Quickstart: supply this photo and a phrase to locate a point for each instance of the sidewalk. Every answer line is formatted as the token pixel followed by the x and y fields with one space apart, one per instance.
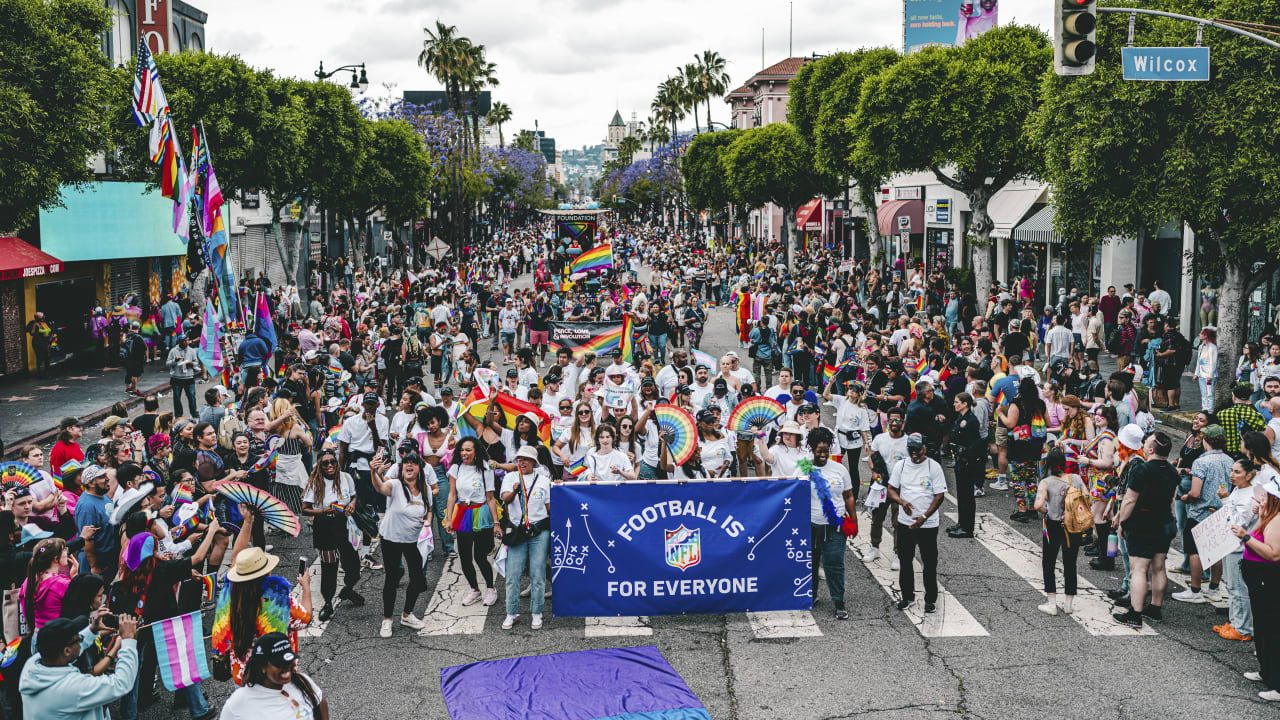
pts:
pixel 1189 403
pixel 34 406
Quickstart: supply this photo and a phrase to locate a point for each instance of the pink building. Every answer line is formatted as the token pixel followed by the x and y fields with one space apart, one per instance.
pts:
pixel 760 101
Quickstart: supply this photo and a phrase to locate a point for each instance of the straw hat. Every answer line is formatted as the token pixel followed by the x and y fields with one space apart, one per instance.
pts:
pixel 252 564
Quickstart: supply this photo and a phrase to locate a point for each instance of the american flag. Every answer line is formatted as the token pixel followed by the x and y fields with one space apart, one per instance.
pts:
pixel 148 97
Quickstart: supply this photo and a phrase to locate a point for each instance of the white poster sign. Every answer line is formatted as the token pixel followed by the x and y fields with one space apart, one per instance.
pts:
pixel 1214 539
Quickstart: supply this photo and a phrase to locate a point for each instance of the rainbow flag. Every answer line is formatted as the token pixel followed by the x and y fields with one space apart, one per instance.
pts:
pixel 512 408
pixel 267 462
pixel 182 493
pixel 335 367
pixel 332 435
pixel 578 467
pixel 919 302
pixel 210 583
pixel 596 259
pixel 1000 398
pixel 184 529
pixel 921 367
pixel 262 325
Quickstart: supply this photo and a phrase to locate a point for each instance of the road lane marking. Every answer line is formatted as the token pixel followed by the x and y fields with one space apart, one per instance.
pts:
pixel 783 624
pixel 1093 608
pixel 951 618
pixel 617 627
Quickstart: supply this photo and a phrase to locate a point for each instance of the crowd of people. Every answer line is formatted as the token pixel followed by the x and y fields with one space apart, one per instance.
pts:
pixel 373 419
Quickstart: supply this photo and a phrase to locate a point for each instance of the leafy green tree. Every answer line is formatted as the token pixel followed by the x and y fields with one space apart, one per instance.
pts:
pixel 281 152
pixel 774 164
pixel 333 157
pixel 823 100
pixel 705 180
pixel 54 84
pixel 1126 157
pixel 963 114
pixel 398 173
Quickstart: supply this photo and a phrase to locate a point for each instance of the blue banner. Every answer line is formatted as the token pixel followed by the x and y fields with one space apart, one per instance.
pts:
pixel 945 23
pixel 673 549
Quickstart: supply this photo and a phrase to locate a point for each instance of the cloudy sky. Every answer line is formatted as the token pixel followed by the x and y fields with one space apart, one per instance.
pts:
pixel 565 63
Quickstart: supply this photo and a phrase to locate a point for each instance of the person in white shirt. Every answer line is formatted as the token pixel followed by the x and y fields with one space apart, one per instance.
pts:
pixel 887 449
pixel 783 387
pixel 470 511
pixel 669 376
pixel 404 417
pixel 701 385
pixel 827 541
pixel 734 366
pixel 1161 296
pixel 328 501
pixel 605 462
pixel 359 439
pixel 853 424
pixel 787 453
pixel 274 688
pixel 409 496
pixel 917 485
pixel 1058 340
pixel 526 493
pixel 715 448
pixel 525 372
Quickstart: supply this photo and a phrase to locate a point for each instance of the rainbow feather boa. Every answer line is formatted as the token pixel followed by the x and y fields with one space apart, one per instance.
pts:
pixel 847 525
pixel 273 613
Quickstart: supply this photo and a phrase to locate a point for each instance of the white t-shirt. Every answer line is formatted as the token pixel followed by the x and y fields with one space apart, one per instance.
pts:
pixel 918 483
pixel 400 424
pixel 508 320
pixel 404 517
pixel 837 479
pixel 538 487
pixel 1274 424
pixel 744 375
pixel 602 465
pixel 1058 340
pixel 258 702
pixel 773 392
pixel 355 433
pixel 716 454
pixel 346 486
pixel 471 486
pixel 700 392
pixel 891 450
pixel 785 459
pixel 528 378
pixel 850 418
pixel 667 379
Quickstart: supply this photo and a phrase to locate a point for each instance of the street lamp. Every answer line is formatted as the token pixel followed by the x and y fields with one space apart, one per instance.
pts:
pixel 359 83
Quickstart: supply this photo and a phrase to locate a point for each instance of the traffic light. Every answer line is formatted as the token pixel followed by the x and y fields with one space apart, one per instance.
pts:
pixel 1074 34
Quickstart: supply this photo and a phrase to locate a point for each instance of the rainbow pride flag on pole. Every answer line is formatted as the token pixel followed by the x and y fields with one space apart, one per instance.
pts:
pixel 596 259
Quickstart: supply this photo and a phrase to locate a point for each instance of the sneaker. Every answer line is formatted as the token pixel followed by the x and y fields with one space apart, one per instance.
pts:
pixel 470 598
pixel 842 614
pixel 1130 617
pixel 1190 595
pixel 979 492
pixel 509 621
pixel 1049 608
pixel 525 592
pixel 1069 604
pixel 959 533
pixel 326 612
pixel 269 548
pixel 412 621
pixel 1117 594
pixel 1103 564
pixel 490 596
pixel 894 564
pixel 1021 516
pixel 385 630
pixel 999 485
pixel 1123 601
pixel 904 603
pixel 453 553
pixel 351 596
pixel 1092 551
pixel 1253 676
pixel 1153 613
pixel 1213 594
pixel 822 574
pixel 371 563
pixel 871 555
pixel 1270 695
pixel 930 607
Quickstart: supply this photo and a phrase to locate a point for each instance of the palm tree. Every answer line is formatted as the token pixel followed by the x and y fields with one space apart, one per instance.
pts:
pixel 715 80
pixel 628 147
pixel 444 55
pixel 669 102
pixel 657 131
pixel 693 91
pixel 483 75
pixel 499 114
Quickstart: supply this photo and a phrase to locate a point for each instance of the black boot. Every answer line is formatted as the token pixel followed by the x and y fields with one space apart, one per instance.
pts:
pixel 1103 563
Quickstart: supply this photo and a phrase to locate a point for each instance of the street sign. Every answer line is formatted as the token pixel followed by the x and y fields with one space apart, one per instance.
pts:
pixel 386 235
pixel 904 242
pixel 1166 64
pixel 904 222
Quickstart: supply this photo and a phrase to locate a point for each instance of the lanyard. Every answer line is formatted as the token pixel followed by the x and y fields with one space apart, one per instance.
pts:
pixel 524 493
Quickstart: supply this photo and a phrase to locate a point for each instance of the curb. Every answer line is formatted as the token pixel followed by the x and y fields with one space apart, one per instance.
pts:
pixel 47 436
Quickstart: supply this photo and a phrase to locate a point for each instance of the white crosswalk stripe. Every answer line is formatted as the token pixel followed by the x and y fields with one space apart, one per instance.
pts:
pixel 1092 607
pixel 783 624
pixel 951 618
pixel 617 627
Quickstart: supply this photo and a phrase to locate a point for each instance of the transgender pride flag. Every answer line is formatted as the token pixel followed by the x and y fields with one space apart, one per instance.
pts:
pixel 634 683
pixel 180 650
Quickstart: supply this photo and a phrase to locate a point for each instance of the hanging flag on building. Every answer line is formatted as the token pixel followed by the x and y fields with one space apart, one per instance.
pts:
pixel 148 97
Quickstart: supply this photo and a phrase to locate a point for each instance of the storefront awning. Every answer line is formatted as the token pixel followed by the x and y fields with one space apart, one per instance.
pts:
pixel 19 259
pixel 888 214
pixel 1038 228
pixel 809 216
pixel 1010 205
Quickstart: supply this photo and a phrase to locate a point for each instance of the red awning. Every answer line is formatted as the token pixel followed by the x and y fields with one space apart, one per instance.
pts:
pixel 19 259
pixel 809 216
pixel 889 213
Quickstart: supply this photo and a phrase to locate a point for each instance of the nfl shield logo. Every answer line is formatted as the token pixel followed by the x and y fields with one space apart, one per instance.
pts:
pixel 683 547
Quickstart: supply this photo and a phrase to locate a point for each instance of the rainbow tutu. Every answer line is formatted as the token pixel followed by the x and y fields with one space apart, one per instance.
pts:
pixel 471 518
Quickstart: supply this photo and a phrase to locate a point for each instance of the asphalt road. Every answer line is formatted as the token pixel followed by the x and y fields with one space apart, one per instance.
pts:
pixel 987 653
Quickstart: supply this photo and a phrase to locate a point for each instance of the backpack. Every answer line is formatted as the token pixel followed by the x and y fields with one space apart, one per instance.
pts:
pixel 1077 513
pixel 1113 342
pixel 228 426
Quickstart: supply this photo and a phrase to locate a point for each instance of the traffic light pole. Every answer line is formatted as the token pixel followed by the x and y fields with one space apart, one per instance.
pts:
pixel 1189 18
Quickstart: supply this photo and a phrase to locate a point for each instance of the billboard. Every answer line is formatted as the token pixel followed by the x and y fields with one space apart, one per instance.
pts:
pixel 945 23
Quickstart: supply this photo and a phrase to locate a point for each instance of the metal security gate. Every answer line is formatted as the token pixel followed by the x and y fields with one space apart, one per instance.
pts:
pixel 129 277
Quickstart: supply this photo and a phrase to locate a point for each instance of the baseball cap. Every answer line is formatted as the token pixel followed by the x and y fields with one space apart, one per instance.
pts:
pixel 1131 436
pixel 111 422
pixel 1213 431
pixel 915 441
pixel 446 390
pixel 58 633
pixel 512 372
pixel 683 389
pixel 371 397
pixel 706 415
pixel 274 647
pixel 310 355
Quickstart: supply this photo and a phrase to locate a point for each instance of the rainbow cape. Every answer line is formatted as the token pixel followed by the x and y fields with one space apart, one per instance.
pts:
pixel 273 613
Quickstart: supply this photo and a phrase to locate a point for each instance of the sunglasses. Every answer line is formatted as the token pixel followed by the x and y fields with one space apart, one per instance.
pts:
pixel 328 461
pixel 584 412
